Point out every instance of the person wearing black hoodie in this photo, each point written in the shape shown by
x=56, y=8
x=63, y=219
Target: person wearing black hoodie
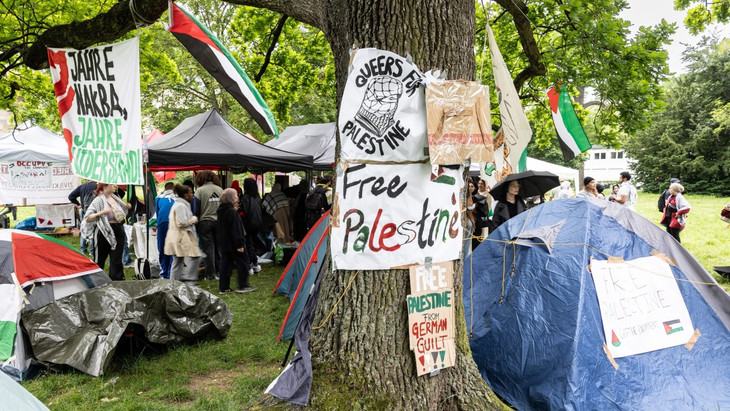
x=232, y=244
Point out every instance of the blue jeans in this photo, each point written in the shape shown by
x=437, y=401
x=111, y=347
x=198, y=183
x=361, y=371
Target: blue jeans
x=165, y=260
x=86, y=245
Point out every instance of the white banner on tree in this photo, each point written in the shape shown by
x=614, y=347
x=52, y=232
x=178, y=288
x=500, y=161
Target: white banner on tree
x=641, y=306
x=387, y=216
x=18, y=185
x=383, y=111
x=52, y=216
x=97, y=90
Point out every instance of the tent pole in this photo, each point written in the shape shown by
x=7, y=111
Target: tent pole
x=146, y=206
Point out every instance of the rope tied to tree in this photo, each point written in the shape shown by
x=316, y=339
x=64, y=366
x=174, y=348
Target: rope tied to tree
x=138, y=17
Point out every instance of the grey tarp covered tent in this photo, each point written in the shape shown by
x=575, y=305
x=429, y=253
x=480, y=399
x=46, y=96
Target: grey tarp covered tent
x=318, y=140
x=83, y=329
x=208, y=140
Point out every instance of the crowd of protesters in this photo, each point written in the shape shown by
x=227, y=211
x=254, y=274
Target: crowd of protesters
x=203, y=232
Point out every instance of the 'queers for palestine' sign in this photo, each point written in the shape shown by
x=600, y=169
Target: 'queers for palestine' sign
x=97, y=90
x=386, y=216
x=383, y=112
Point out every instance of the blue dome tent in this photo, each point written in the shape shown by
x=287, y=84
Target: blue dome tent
x=538, y=332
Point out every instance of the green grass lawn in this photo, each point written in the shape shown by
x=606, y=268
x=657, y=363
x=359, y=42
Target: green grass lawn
x=234, y=372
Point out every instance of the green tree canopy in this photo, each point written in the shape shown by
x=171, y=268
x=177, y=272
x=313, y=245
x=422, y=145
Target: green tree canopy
x=690, y=138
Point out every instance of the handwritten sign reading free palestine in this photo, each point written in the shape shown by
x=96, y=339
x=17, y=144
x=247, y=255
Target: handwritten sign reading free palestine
x=641, y=306
x=396, y=214
x=97, y=90
x=431, y=316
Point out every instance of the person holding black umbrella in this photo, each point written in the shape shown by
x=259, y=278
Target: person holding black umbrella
x=511, y=205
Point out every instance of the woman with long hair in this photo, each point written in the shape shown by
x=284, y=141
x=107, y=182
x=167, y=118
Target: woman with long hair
x=104, y=221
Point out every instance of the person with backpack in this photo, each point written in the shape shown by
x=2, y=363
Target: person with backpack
x=249, y=208
x=318, y=201
x=163, y=204
x=662, y=202
x=81, y=197
x=209, y=194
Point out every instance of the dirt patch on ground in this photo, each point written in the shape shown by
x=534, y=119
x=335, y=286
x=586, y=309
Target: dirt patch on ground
x=219, y=380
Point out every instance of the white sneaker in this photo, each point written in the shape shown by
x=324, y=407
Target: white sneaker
x=256, y=268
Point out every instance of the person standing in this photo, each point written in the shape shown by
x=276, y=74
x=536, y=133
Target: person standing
x=232, y=241
x=627, y=195
x=250, y=211
x=181, y=241
x=513, y=205
x=676, y=209
x=662, y=201
x=163, y=204
x=81, y=197
x=104, y=219
x=590, y=189
x=276, y=204
x=209, y=195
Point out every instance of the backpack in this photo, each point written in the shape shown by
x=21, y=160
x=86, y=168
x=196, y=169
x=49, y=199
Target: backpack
x=315, y=205
x=250, y=210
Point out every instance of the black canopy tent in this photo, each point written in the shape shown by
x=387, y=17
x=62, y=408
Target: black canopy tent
x=207, y=140
x=315, y=139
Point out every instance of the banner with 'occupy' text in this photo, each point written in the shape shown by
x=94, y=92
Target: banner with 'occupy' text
x=97, y=90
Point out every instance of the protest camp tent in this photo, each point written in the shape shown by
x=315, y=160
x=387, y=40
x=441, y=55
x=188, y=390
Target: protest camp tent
x=35, y=145
x=15, y=397
x=207, y=140
x=537, y=321
x=299, y=275
x=35, y=270
x=566, y=173
x=317, y=140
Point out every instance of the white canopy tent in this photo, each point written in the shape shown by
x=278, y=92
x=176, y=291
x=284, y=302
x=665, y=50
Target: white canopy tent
x=566, y=173
x=35, y=168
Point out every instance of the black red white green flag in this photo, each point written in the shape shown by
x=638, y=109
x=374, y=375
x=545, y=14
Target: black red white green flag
x=214, y=57
x=572, y=138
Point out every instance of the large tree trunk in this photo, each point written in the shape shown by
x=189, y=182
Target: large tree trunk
x=361, y=355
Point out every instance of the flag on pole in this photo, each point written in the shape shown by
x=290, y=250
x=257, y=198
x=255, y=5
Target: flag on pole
x=214, y=57
x=572, y=138
x=516, y=127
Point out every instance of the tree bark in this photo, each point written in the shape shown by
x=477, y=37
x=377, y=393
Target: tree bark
x=361, y=354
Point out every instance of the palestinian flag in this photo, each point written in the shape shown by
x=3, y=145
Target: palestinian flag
x=26, y=258
x=571, y=136
x=214, y=57
x=671, y=327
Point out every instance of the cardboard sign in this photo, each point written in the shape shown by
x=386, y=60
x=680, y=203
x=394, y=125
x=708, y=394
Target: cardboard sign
x=97, y=90
x=52, y=184
x=641, y=306
x=383, y=116
x=459, y=122
x=431, y=317
x=393, y=215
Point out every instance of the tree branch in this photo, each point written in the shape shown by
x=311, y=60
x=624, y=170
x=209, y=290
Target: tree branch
x=105, y=27
x=274, y=39
x=519, y=10
x=311, y=12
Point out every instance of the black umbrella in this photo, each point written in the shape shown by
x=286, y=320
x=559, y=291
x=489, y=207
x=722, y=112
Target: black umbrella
x=532, y=183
